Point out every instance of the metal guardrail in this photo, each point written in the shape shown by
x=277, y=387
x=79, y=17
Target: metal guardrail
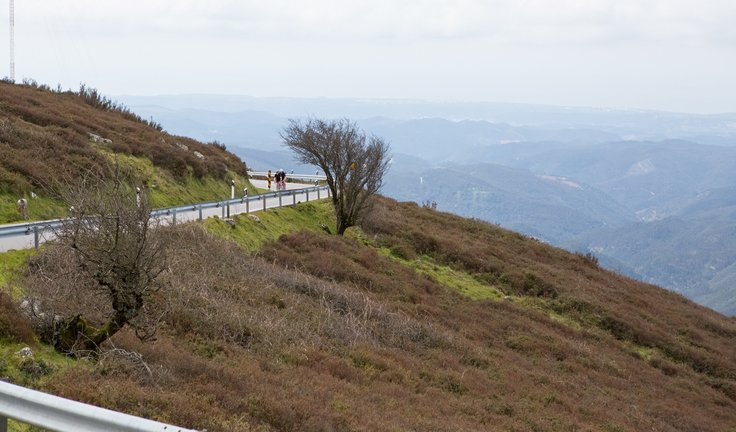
x=224, y=204
x=37, y=228
x=289, y=176
x=55, y=413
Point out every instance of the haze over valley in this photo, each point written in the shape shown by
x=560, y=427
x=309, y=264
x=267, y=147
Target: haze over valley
x=526, y=222
x=648, y=193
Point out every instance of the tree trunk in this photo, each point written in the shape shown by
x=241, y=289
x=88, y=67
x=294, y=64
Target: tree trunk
x=76, y=334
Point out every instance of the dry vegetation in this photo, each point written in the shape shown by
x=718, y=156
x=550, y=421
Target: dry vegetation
x=364, y=332
x=317, y=332
x=45, y=137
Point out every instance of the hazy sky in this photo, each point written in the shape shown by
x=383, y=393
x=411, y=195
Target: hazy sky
x=677, y=55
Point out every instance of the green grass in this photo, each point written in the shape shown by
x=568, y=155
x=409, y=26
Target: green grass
x=459, y=281
x=165, y=190
x=39, y=208
x=14, y=426
x=30, y=372
x=10, y=263
x=462, y=282
x=646, y=353
x=252, y=231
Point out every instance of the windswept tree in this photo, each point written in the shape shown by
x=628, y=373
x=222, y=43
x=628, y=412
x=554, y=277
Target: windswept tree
x=97, y=275
x=353, y=162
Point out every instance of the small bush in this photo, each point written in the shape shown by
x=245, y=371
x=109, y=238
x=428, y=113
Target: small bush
x=34, y=369
x=589, y=258
x=14, y=327
x=619, y=329
x=536, y=287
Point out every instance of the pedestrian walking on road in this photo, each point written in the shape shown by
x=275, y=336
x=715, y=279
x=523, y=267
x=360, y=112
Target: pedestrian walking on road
x=23, y=208
x=283, y=180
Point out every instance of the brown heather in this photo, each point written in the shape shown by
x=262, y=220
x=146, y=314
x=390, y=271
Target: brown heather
x=324, y=333
x=44, y=137
x=13, y=326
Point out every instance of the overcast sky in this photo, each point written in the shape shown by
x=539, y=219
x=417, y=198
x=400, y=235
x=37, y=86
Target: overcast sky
x=675, y=55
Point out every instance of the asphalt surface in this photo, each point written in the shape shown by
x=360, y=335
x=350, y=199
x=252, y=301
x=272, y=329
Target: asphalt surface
x=294, y=194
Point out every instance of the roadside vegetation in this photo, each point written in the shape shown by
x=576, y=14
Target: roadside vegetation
x=49, y=138
x=413, y=319
x=416, y=320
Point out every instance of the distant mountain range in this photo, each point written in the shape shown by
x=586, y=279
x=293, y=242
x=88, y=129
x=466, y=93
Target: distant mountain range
x=650, y=193
x=421, y=321
x=547, y=207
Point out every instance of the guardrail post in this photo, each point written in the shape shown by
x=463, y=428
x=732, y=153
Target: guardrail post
x=247, y=206
x=318, y=193
x=3, y=424
x=293, y=198
x=307, y=195
x=279, y=199
x=173, y=220
x=264, y=203
x=228, y=208
x=35, y=237
x=200, y=212
x=223, y=212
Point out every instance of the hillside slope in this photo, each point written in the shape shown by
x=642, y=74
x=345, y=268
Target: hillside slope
x=48, y=138
x=420, y=320
x=693, y=251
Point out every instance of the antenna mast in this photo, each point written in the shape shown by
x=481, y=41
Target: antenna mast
x=12, y=40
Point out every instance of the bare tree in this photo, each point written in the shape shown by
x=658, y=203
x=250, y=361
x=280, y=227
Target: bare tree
x=353, y=162
x=97, y=275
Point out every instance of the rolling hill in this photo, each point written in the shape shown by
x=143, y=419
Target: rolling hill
x=417, y=319
x=651, y=164
x=692, y=251
x=550, y=208
x=647, y=177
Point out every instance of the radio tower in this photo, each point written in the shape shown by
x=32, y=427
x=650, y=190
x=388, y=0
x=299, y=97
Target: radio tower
x=12, y=40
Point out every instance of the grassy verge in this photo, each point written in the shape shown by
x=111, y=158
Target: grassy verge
x=39, y=208
x=165, y=190
x=10, y=263
x=252, y=231
x=31, y=371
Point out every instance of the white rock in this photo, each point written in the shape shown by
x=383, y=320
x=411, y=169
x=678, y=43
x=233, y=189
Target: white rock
x=25, y=352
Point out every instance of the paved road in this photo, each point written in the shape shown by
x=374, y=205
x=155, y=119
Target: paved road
x=23, y=236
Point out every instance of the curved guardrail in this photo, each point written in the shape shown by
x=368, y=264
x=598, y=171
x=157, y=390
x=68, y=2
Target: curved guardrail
x=37, y=228
x=55, y=413
x=289, y=176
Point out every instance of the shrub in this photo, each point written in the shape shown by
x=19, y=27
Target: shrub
x=14, y=327
x=588, y=257
x=535, y=286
